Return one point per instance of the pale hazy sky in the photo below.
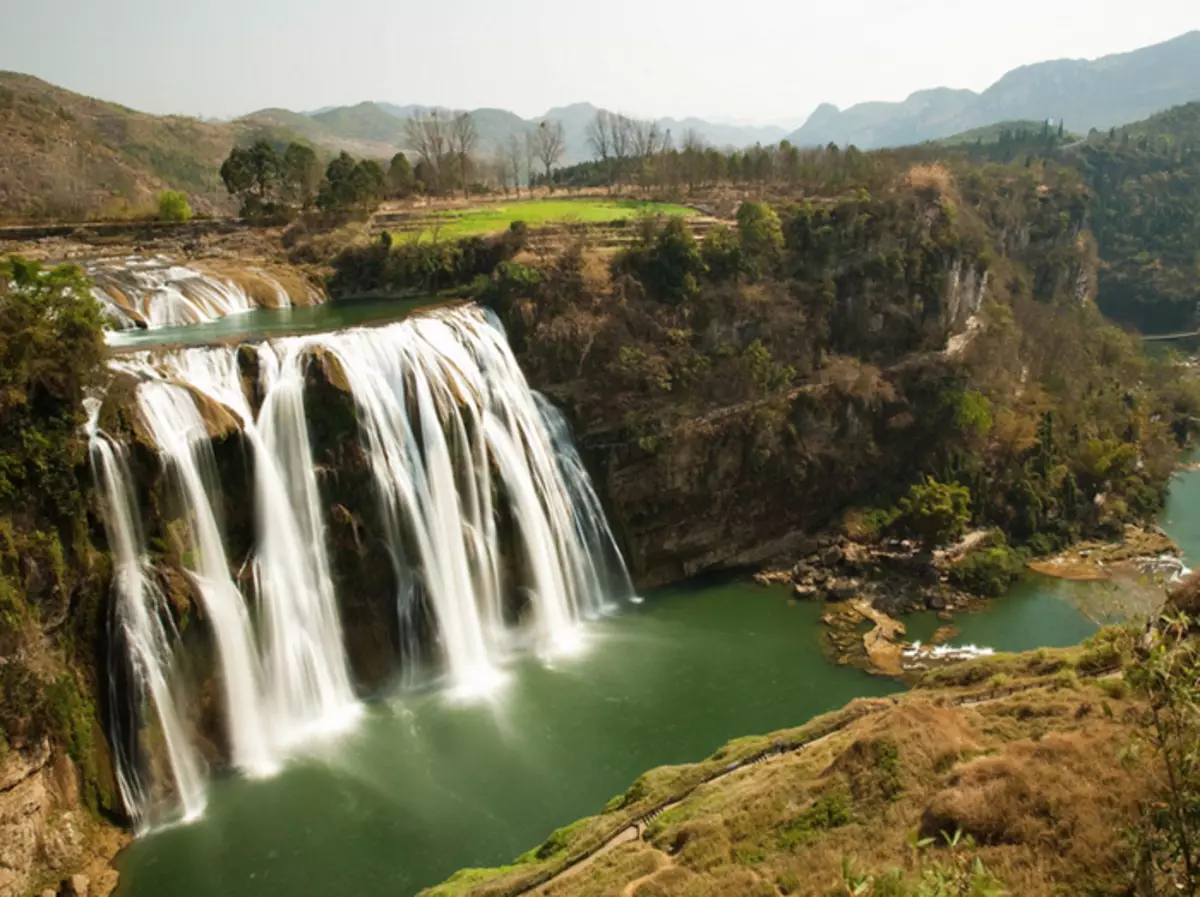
(756, 60)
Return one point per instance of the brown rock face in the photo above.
(42, 828)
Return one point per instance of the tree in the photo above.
(252, 175)
(599, 136)
(514, 152)
(51, 353)
(173, 206)
(531, 157)
(429, 137)
(463, 137)
(399, 177)
(550, 142)
(500, 167)
(760, 233)
(300, 173)
(935, 512)
(351, 186)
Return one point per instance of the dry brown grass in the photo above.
(1035, 777)
(932, 179)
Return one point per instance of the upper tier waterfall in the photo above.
(158, 292)
(495, 536)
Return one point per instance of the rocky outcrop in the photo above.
(48, 842)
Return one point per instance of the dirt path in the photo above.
(636, 830)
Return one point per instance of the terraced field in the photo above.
(454, 224)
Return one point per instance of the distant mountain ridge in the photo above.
(379, 127)
(1101, 93)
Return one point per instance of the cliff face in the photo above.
(731, 426)
(756, 480)
(46, 835)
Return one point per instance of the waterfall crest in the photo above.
(495, 534)
(157, 292)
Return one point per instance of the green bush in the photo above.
(51, 346)
(989, 571)
(935, 512)
(173, 206)
(664, 259)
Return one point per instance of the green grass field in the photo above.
(493, 217)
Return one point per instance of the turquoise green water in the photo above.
(264, 322)
(1038, 612)
(1181, 519)
(424, 788)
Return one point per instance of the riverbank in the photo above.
(975, 751)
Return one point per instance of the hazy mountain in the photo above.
(495, 125)
(1099, 93)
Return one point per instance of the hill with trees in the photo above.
(1145, 212)
(1100, 93)
(68, 156)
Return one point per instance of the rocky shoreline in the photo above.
(866, 589)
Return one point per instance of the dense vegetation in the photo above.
(274, 187)
(826, 322)
(1145, 181)
(51, 579)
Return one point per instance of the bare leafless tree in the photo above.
(463, 137)
(500, 167)
(551, 142)
(599, 137)
(428, 136)
(620, 138)
(514, 151)
(646, 139)
(531, 157)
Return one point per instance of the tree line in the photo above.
(273, 186)
(449, 156)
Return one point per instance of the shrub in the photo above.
(173, 206)
(989, 571)
(935, 512)
(665, 260)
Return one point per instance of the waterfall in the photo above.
(143, 620)
(306, 684)
(178, 429)
(157, 292)
(457, 446)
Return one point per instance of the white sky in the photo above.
(753, 60)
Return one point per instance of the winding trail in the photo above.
(636, 830)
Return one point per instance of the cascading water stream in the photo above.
(140, 613)
(306, 685)
(456, 444)
(157, 292)
(178, 430)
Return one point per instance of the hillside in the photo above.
(1000, 776)
(1145, 184)
(1100, 93)
(65, 155)
(994, 133)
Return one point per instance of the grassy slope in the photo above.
(65, 155)
(493, 217)
(68, 155)
(1017, 751)
(991, 133)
